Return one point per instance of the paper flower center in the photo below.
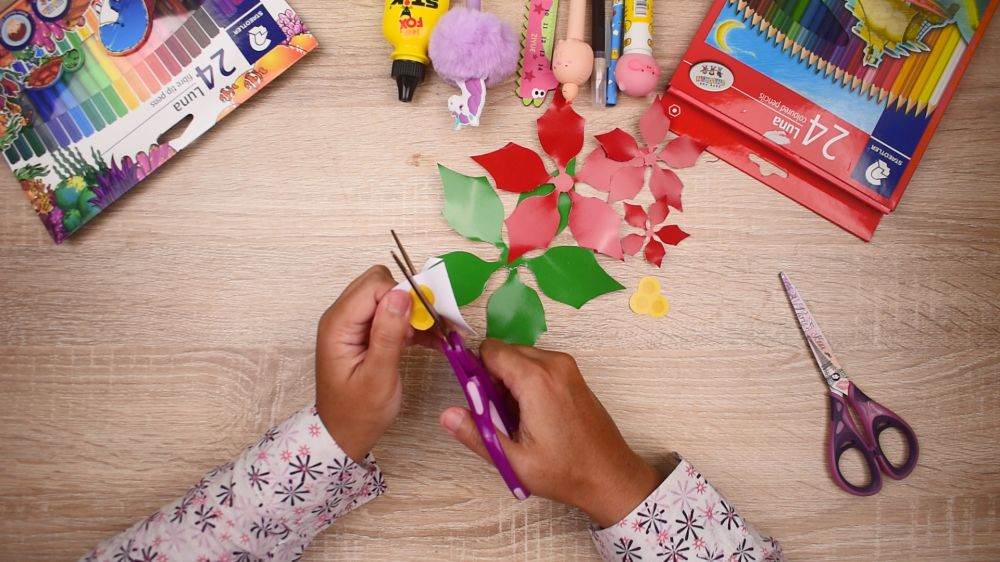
(563, 182)
(649, 158)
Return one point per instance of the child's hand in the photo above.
(567, 447)
(360, 339)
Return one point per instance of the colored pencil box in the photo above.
(79, 127)
(830, 102)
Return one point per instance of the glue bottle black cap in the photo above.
(408, 73)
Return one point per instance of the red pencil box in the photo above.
(840, 97)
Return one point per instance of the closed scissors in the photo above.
(844, 432)
(488, 410)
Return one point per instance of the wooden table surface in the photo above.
(179, 325)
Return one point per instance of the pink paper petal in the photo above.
(632, 243)
(666, 186)
(626, 183)
(532, 224)
(515, 168)
(619, 145)
(654, 253)
(681, 152)
(653, 124)
(560, 131)
(595, 225)
(598, 169)
(658, 212)
(635, 216)
(671, 234)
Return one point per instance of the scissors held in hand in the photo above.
(485, 403)
(844, 395)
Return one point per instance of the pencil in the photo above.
(944, 55)
(946, 77)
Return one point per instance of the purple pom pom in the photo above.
(472, 44)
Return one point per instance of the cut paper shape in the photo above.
(652, 238)
(470, 275)
(647, 300)
(467, 107)
(434, 277)
(471, 206)
(515, 313)
(420, 317)
(571, 275)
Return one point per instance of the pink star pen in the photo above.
(573, 58)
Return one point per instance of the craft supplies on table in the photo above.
(80, 126)
(534, 76)
(408, 26)
(637, 71)
(830, 102)
(573, 58)
(844, 433)
(616, 26)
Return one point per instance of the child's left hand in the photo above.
(360, 339)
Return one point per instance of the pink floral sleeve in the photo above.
(268, 504)
(685, 519)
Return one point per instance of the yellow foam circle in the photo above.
(659, 307)
(420, 318)
(649, 286)
(640, 303)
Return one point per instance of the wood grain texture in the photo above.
(179, 325)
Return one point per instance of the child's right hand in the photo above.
(567, 447)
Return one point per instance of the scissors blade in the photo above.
(438, 325)
(818, 345)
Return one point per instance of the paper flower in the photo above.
(652, 238)
(647, 299)
(618, 166)
(549, 201)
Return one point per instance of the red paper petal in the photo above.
(654, 253)
(595, 225)
(632, 243)
(515, 168)
(671, 234)
(635, 216)
(619, 145)
(532, 224)
(653, 124)
(626, 183)
(666, 186)
(658, 212)
(598, 169)
(681, 152)
(560, 131)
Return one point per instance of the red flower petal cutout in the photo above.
(560, 131)
(619, 145)
(595, 225)
(666, 186)
(598, 170)
(671, 234)
(632, 243)
(635, 216)
(681, 152)
(658, 212)
(626, 183)
(515, 168)
(532, 224)
(654, 253)
(653, 124)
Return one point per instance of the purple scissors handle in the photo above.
(487, 408)
(845, 435)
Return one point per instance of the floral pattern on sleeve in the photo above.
(685, 519)
(269, 503)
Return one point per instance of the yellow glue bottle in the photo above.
(407, 24)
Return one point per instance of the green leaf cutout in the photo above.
(571, 275)
(468, 275)
(514, 313)
(563, 203)
(471, 206)
(571, 167)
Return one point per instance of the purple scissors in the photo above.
(485, 403)
(844, 432)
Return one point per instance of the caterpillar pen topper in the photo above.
(637, 72)
(473, 50)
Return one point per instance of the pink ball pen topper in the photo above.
(637, 72)
(573, 58)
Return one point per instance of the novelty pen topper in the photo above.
(473, 50)
(636, 71)
(573, 58)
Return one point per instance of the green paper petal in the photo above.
(468, 275)
(571, 275)
(564, 203)
(471, 206)
(514, 313)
